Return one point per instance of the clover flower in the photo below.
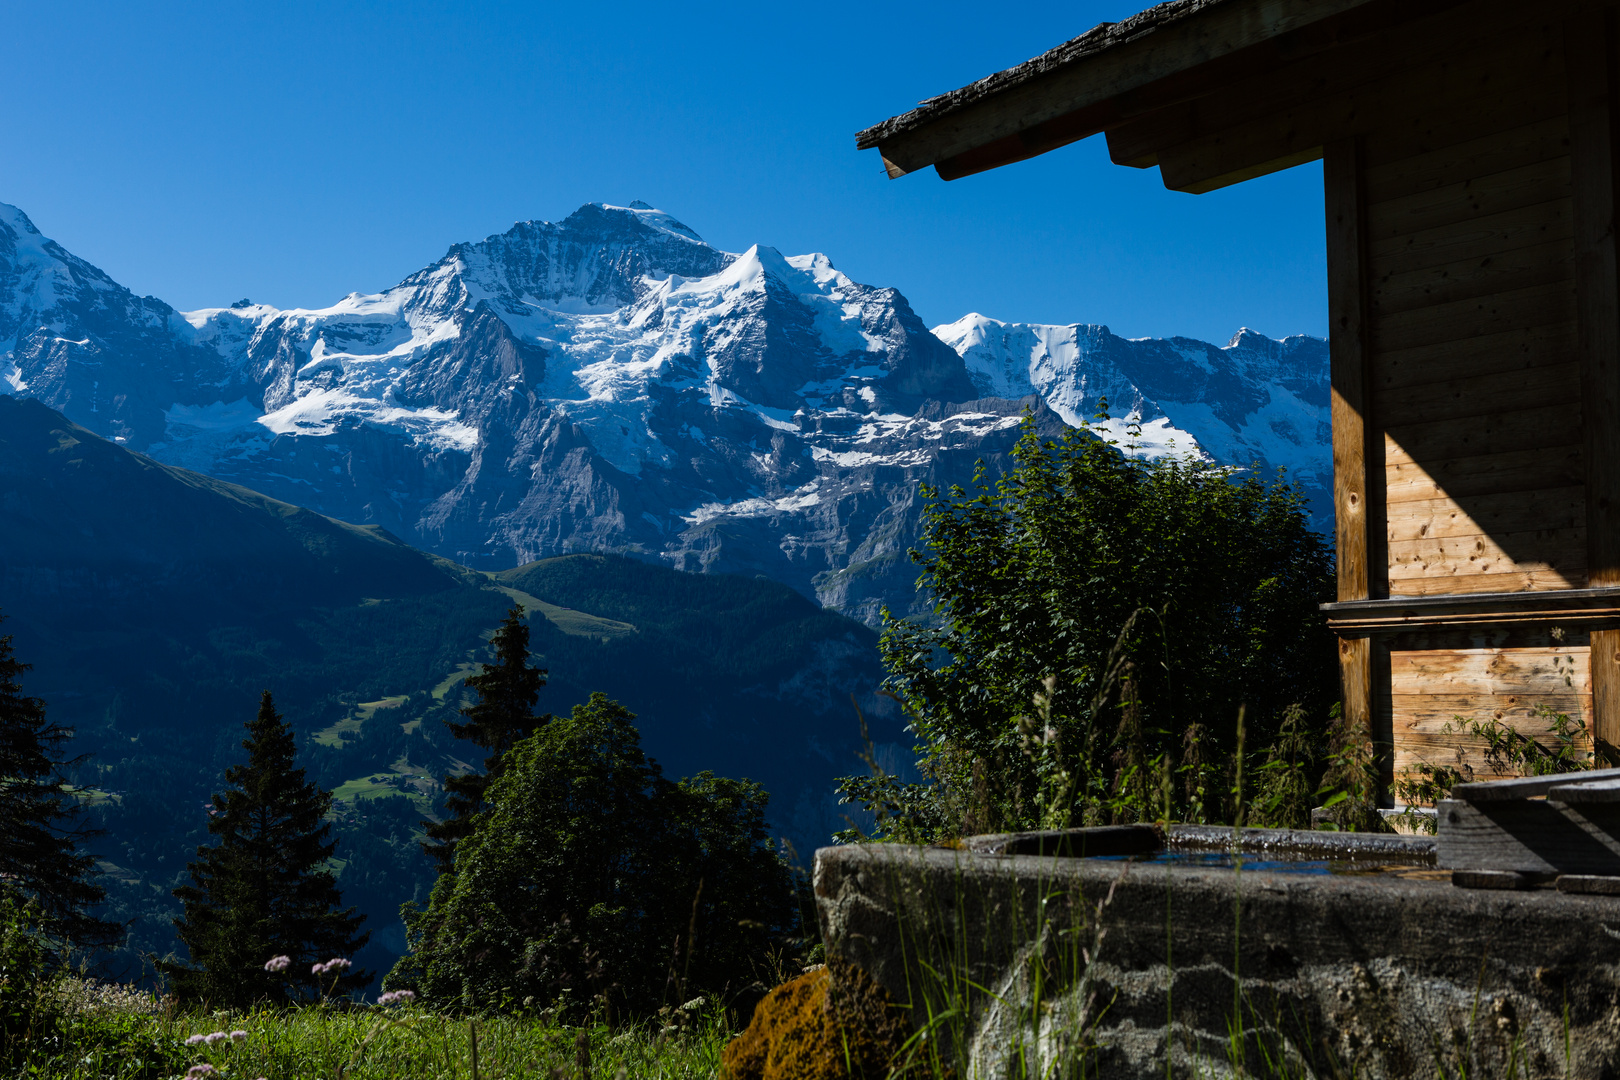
(215, 1037)
(278, 963)
(397, 997)
(335, 964)
(239, 1036)
(195, 1040)
(197, 1072)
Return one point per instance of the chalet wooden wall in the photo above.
(1511, 677)
(1471, 167)
(1473, 373)
(1473, 346)
(1476, 408)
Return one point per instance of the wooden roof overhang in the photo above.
(1173, 86)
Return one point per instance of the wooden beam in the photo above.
(1255, 96)
(1356, 528)
(1463, 93)
(1593, 71)
(1357, 455)
(1572, 608)
(1079, 89)
(1080, 85)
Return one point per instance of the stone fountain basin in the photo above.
(1336, 953)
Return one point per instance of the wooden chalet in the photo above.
(1470, 174)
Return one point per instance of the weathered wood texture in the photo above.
(1476, 380)
(1400, 89)
(1594, 112)
(1357, 508)
(1529, 787)
(1529, 835)
(1118, 71)
(1437, 693)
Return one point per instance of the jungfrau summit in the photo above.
(611, 382)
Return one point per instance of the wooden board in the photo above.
(1469, 199)
(1530, 836)
(1498, 272)
(1430, 713)
(1517, 349)
(1526, 429)
(1476, 238)
(1594, 111)
(1518, 309)
(1356, 481)
(1482, 394)
(1559, 550)
(1579, 790)
(1431, 688)
(1529, 787)
(1606, 694)
(1511, 581)
(1459, 478)
(1487, 673)
(1539, 140)
(1497, 514)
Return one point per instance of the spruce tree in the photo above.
(40, 826)
(261, 892)
(502, 717)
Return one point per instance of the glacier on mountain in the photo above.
(613, 382)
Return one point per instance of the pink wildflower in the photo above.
(278, 963)
(239, 1036)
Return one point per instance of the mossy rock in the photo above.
(833, 1023)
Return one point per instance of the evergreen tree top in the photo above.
(507, 691)
(263, 890)
(40, 828)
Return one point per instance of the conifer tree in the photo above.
(261, 891)
(40, 828)
(502, 717)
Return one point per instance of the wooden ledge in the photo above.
(1584, 608)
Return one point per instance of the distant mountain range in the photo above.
(155, 603)
(613, 383)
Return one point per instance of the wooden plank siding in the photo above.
(1475, 383)
(1471, 169)
(1594, 111)
(1438, 691)
(1470, 263)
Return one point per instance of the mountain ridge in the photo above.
(611, 382)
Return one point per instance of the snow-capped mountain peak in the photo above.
(1257, 400)
(612, 381)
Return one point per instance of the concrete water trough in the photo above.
(1105, 952)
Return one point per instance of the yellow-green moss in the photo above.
(834, 1023)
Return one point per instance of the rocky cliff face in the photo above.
(613, 383)
(1256, 402)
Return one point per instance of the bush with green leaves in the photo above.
(1109, 631)
(594, 882)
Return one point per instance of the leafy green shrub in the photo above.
(593, 881)
(1103, 622)
(27, 977)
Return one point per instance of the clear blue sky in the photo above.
(292, 153)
